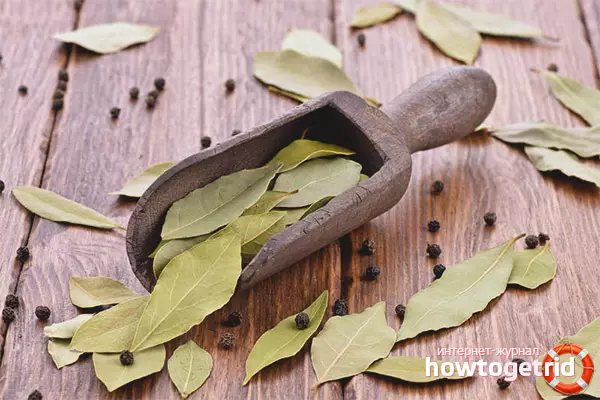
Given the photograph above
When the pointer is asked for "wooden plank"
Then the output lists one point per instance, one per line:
(202, 43)
(480, 174)
(590, 10)
(32, 58)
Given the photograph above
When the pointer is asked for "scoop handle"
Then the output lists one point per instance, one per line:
(442, 107)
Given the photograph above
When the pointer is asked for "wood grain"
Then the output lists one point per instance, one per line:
(480, 175)
(590, 10)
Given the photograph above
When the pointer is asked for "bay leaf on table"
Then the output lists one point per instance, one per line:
(316, 179)
(452, 35)
(66, 329)
(375, 14)
(138, 185)
(267, 202)
(112, 330)
(302, 150)
(581, 99)
(87, 292)
(189, 367)
(463, 290)
(252, 247)
(49, 205)
(216, 204)
(408, 369)
(61, 354)
(533, 268)
(113, 374)
(193, 285)
(109, 38)
(313, 44)
(316, 205)
(558, 160)
(172, 248)
(285, 339)
(585, 142)
(348, 345)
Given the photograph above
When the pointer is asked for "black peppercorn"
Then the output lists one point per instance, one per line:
(438, 270)
(532, 241)
(433, 226)
(62, 85)
(58, 104)
(236, 132)
(230, 85)
(63, 75)
(35, 395)
(361, 39)
(134, 93)
(552, 67)
(23, 254)
(42, 313)
(23, 89)
(340, 307)
(150, 101)
(433, 250)
(115, 112)
(227, 341)
(367, 248)
(153, 93)
(400, 311)
(302, 321)
(490, 218)
(78, 4)
(347, 280)
(58, 94)
(543, 238)
(205, 141)
(2, 186)
(11, 301)
(159, 83)
(126, 358)
(372, 273)
(437, 187)
(8, 315)
(233, 319)
(503, 383)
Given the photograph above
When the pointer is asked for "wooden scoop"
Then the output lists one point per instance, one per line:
(440, 108)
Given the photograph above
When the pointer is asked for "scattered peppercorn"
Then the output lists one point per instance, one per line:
(302, 321)
(150, 101)
(503, 383)
(159, 83)
(552, 67)
(23, 254)
(8, 315)
(153, 93)
(115, 112)
(227, 341)
(78, 4)
(2, 186)
(433, 250)
(433, 225)
(58, 104)
(437, 187)
(35, 395)
(23, 89)
(367, 248)
(134, 93)
(42, 313)
(361, 39)
(543, 238)
(58, 94)
(205, 141)
(340, 307)
(236, 132)
(400, 311)
(62, 85)
(233, 319)
(126, 357)
(11, 301)
(532, 241)
(63, 75)
(490, 218)
(347, 280)
(438, 270)
(230, 85)
(372, 273)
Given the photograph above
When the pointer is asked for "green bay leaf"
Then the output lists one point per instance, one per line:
(293, 215)
(317, 179)
(49, 205)
(408, 369)
(558, 160)
(113, 374)
(285, 339)
(109, 38)
(585, 142)
(250, 227)
(189, 367)
(112, 330)
(66, 329)
(252, 247)
(98, 291)
(375, 14)
(138, 185)
(266, 203)
(463, 290)
(312, 44)
(193, 285)
(348, 345)
(316, 205)
(61, 354)
(533, 268)
(216, 204)
(172, 248)
(302, 150)
(453, 36)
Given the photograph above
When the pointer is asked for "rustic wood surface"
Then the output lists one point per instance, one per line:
(83, 155)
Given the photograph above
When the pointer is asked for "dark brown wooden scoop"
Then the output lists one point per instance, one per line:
(438, 109)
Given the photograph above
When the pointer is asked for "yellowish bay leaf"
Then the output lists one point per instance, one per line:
(558, 160)
(172, 248)
(189, 367)
(98, 291)
(266, 202)
(138, 185)
(61, 354)
(109, 38)
(533, 268)
(312, 44)
(376, 14)
(302, 150)
(66, 329)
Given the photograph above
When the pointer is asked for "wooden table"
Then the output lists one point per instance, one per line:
(81, 154)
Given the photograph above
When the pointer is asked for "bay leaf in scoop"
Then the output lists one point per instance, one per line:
(302, 150)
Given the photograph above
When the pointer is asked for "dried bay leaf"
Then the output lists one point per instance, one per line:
(266, 203)
(138, 185)
(189, 367)
(216, 204)
(463, 290)
(112, 330)
(317, 179)
(316, 205)
(113, 374)
(50, 205)
(98, 291)
(171, 249)
(363, 177)
(61, 354)
(193, 285)
(250, 227)
(293, 215)
(313, 44)
(408, 369)
(558, 160)
(376, 14)
(66, 329)
(302, 150)
(582, 100)
(585, 142)
(348, 345)
(533, 268)
(252, 247)
(285, 339)
(453, 36)
(109, 38)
